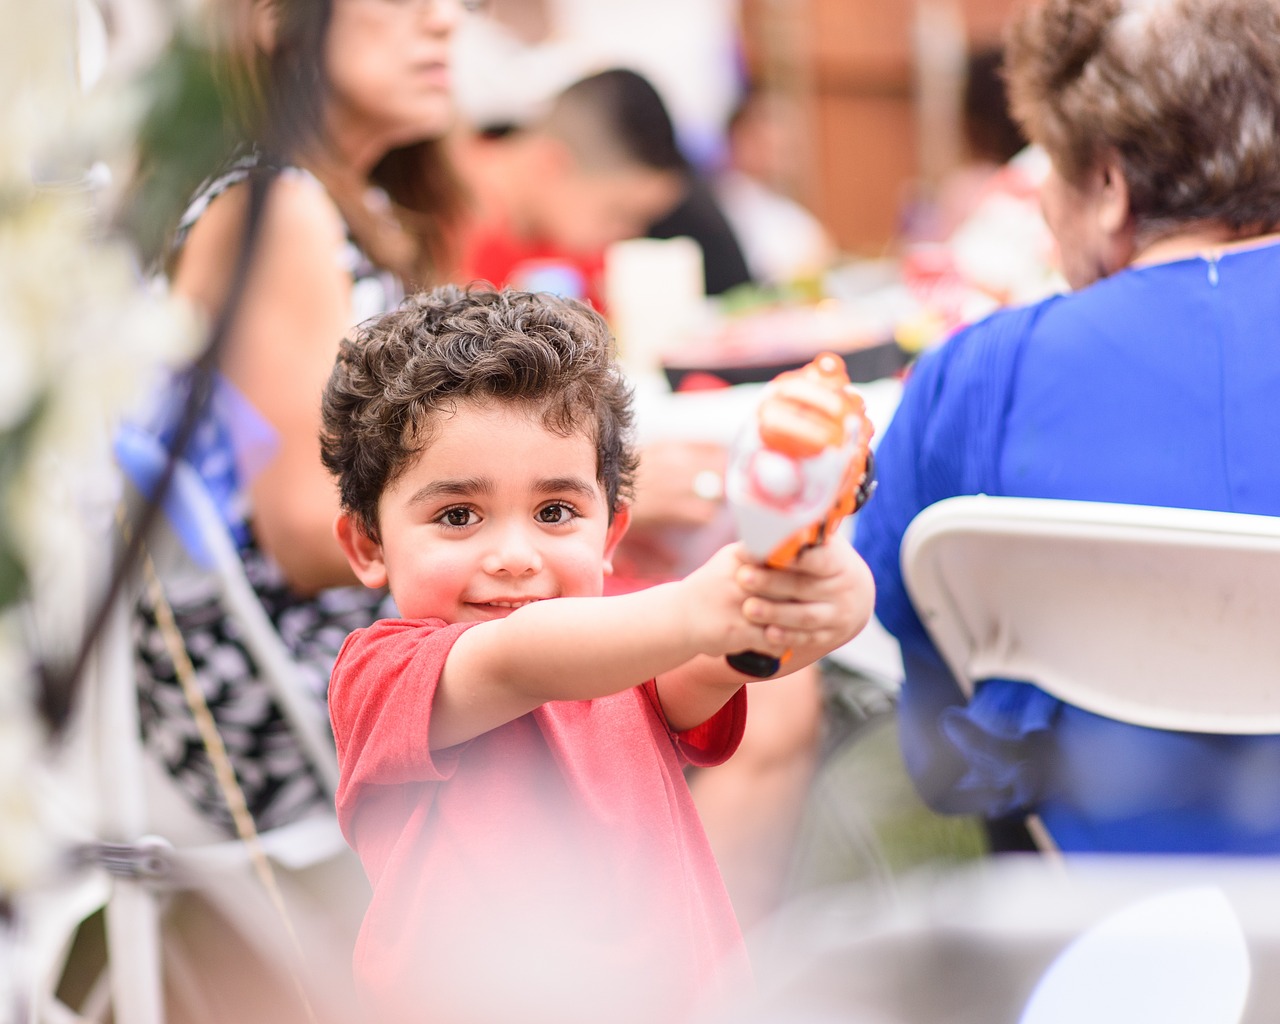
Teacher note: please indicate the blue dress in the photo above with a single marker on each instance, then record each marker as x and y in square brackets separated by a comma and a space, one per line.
[1157, 386]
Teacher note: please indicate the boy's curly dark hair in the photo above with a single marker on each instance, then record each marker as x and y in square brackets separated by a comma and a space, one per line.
[451, 345]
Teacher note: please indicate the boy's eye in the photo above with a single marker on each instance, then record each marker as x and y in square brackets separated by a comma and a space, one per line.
[554, 513]
[457, 517]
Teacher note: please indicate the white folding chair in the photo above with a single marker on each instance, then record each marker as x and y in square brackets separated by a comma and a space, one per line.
[1159, 617]
[140, 844]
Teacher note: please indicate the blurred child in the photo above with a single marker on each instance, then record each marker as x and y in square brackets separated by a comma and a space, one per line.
[991, 137]
[511, 751]
[599, 166]
[782, 240]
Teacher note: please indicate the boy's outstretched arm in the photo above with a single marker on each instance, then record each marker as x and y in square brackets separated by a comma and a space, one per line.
[577, 648]
[810, 608]
[580, 648]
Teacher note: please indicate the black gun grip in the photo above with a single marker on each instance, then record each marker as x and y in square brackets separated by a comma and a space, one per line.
[754, 664]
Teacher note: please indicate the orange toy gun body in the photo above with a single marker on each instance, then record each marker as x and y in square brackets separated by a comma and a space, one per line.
[802, 466]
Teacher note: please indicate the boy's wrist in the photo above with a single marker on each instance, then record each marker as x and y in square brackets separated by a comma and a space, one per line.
[675, 615]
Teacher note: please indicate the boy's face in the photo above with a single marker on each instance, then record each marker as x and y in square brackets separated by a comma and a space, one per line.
[496, 512]
[585, 212]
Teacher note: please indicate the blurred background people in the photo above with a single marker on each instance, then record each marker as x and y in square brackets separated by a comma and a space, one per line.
[551, 195]
[346, 102]
[782, 241]
[510, 63]
[1150, 383]
[525, 51]
[990, 139]
[701, 216]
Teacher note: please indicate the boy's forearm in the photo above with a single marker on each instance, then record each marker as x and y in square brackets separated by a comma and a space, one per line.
[580, 648]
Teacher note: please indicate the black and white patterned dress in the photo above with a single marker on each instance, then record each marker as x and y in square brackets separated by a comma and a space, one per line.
[279, 784]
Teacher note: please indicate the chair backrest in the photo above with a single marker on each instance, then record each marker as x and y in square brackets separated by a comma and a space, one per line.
[1168, 618]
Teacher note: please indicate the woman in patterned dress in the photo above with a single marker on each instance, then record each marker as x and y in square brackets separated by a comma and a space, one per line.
[347, 102]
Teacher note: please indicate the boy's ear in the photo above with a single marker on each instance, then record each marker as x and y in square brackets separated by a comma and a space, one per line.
[617, 530]
[363, 553]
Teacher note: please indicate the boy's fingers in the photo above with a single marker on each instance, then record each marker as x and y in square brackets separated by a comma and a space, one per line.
[810, 559]
[772, 640]
[788, 584]
[786, 638]
[822, 560]
[799, 639]
[802, 615]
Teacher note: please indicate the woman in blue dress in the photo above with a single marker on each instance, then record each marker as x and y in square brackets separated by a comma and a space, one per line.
[1155, 381]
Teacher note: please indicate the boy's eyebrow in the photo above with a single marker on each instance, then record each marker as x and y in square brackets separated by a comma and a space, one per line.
[451, 488]
[466, 486]
[571, 484]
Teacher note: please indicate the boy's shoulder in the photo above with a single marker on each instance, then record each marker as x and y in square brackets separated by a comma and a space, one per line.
[390, 646]
[389, 634]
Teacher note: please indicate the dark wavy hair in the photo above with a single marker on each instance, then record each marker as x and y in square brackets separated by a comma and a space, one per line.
[1186, 93]
[453, 345]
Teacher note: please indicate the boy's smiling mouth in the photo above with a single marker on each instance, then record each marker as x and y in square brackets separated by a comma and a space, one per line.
[513, 603]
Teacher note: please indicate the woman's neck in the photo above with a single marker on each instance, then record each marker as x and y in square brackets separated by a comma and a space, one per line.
[1210, 242]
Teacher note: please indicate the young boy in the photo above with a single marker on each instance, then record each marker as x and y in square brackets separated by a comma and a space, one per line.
[511, 751]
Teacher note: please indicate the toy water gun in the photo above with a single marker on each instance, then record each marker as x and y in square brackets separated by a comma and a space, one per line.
[800, 467]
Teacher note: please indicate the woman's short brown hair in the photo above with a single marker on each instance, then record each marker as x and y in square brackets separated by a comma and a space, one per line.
[1186, 93]
[454, 345]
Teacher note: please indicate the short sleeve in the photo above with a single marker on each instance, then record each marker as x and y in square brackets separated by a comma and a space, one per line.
[715, 740]
[380, 699]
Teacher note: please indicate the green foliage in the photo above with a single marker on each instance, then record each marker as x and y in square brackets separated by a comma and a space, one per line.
[189, 128]
[745, 299]
[15, 441]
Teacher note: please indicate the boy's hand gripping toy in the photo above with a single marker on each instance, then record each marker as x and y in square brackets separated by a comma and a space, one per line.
[802, 466]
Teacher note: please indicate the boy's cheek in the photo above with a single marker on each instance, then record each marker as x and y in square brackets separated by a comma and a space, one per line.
[433, 591]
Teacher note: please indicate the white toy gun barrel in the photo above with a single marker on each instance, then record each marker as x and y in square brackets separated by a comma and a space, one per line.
[802, 465]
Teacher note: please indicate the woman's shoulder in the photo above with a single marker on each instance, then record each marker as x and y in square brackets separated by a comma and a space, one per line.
[986, 349]
[302, 236]
[234, 172]
[298, 202]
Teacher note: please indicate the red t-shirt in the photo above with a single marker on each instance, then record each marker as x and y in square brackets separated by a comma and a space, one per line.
[556, 861]
[492, 253]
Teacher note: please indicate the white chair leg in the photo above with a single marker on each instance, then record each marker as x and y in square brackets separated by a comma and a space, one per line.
[133, 910]
[133, 954]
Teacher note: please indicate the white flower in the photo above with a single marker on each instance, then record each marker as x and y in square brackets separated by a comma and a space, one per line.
[17, 383]
[24, 847]
[81, 338]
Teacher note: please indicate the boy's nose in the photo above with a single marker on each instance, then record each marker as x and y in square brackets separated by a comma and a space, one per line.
[513, 552]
